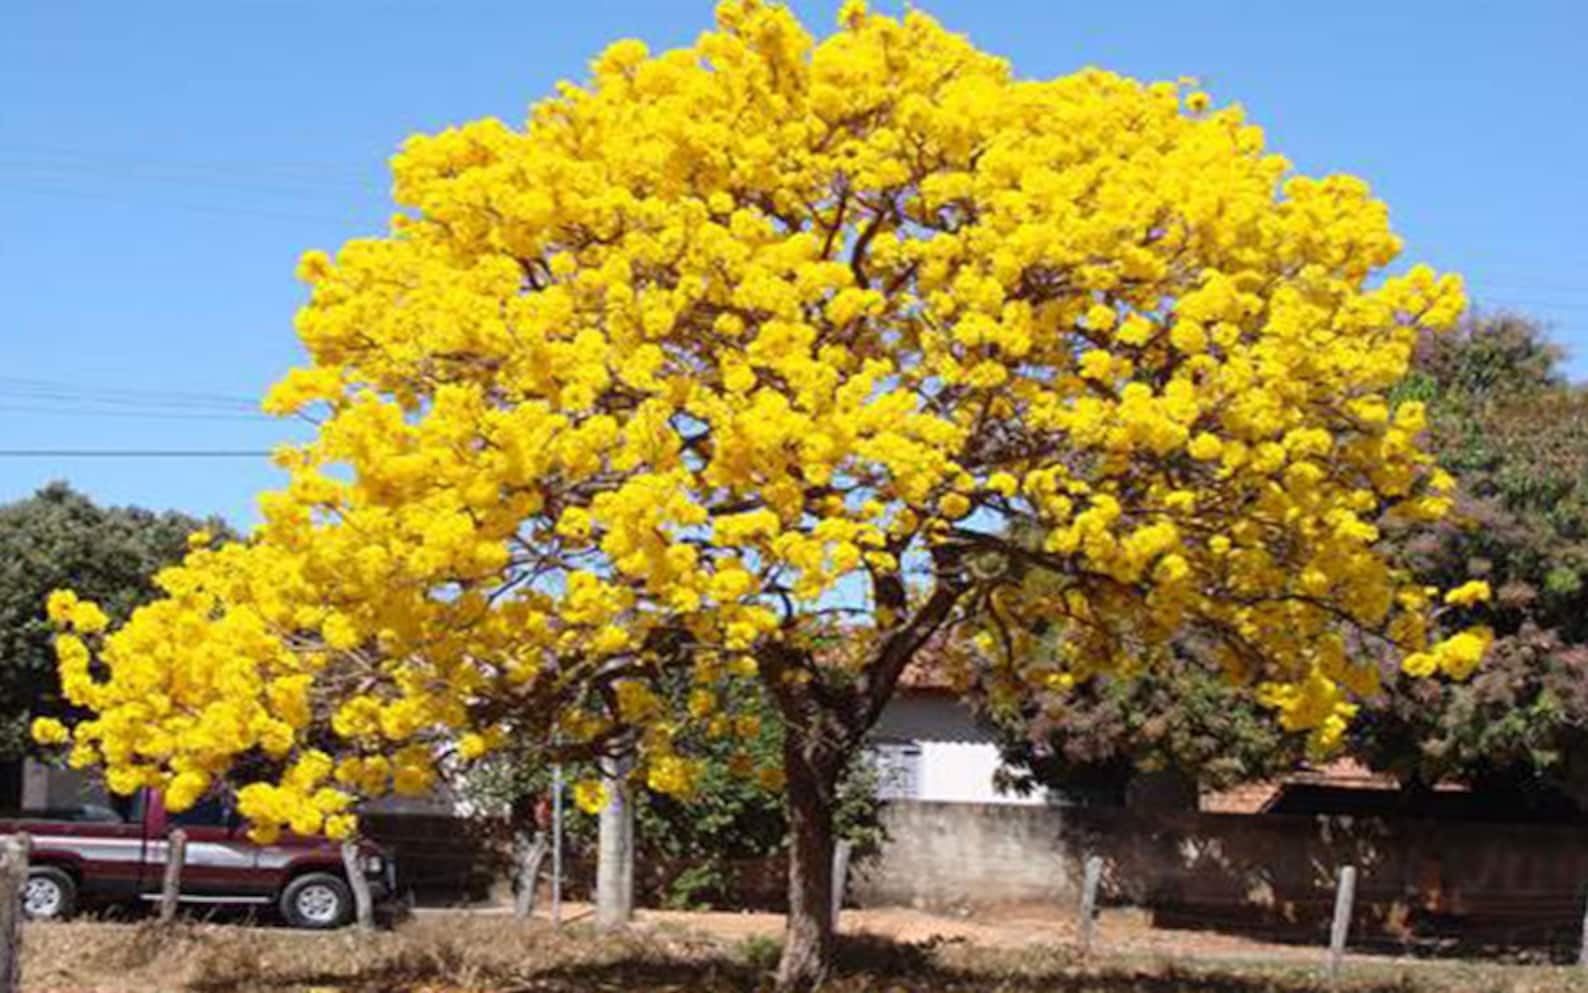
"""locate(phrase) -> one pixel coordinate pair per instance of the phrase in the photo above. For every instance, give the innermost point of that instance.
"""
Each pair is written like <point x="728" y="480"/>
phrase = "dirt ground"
<point x="1008" y="926"/>
<point x="1014" y="949"/>
<point x="1119" y="932"/>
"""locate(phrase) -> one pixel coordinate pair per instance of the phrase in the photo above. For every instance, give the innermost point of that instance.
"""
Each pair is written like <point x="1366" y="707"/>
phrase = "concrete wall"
<point x="1264" y="874"/>
<point x="948" y="854"/>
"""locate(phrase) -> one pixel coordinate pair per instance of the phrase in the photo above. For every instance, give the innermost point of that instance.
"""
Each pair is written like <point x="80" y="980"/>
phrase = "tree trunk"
<point x="615" y="849"/>
<point x="808" y="941"/>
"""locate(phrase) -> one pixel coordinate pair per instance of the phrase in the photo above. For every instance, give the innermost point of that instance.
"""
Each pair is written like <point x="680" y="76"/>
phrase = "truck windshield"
<point x="88" y="813"/>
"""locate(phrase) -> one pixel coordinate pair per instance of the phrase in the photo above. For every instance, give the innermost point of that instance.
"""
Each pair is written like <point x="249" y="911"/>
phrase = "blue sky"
<point x="163" y="164"/>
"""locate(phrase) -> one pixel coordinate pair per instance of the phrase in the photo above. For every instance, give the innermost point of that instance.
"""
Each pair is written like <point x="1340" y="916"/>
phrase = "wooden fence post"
<point x="1582" y="949"/>
<point x="532" y="851"/>
<point x="556" y="845"/>
<point x="841" y="853"/>
<point x="363" y="905"/>
<point x="13" y="882"/>
<point x="171" y="885"/>
<point x="1090" y="878"/>
<point x="1344" y="896"/>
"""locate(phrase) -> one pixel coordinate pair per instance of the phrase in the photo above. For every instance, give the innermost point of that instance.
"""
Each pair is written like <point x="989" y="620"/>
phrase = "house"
<point x="1339" y="776"/>
<point x="929" y="745"/>
<point x="1347" y="787"/>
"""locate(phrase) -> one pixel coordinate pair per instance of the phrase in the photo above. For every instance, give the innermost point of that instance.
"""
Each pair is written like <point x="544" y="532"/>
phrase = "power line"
<point x="98" y="153"/>
<point x="132" y="453"/>
<point x="87" y="398"/>
<point x="1510" y="286"/>
<point x="46" y="397"/>
<point x="144" y="414"/>
<point x="57" y="391"/>
<point x="1520" y="304"/>
<point x="74" y="384"/>
<point x="233" y="180"/>
<point x="244" y="211"/>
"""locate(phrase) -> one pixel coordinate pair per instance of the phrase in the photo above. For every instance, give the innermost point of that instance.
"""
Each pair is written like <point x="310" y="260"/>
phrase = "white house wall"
<point x="959" y="757"/>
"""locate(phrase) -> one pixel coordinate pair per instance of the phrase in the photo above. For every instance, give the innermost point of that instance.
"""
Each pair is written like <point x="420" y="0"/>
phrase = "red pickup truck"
<point x="96" y="854"/>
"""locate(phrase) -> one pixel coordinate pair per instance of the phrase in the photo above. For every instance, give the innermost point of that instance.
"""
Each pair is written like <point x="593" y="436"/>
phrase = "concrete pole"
<point x="841" y="855"/>
<point x="1344" y="897"/>
<point x="1091" y="876"/>
<point x="1582" y="950"/>
<point x="363" y="904"/>
<point x="615" y="848"/>
<point x="13" y="881"/>
<point x="556" y="844"/>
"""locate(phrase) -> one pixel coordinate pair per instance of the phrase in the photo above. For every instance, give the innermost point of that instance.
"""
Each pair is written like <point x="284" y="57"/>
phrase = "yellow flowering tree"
<point x="746" y="344"/>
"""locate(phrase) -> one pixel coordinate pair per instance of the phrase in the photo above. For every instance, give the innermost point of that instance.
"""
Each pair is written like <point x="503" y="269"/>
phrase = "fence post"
<point x="556" y="844"/>
<point x="1090" y="878"/>
<point x="1344" y="896"/>
<point x="841" y="853"/>
<point x="531" y="853"/>
<point x="1582" y="950"/>
<point x="171" y="885"/>
<point x="13" y="881"/>
<point x="363" y="904"/>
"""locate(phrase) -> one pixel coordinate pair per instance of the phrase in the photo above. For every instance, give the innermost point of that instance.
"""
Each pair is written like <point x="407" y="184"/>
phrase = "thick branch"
<point x="882" y="676"/>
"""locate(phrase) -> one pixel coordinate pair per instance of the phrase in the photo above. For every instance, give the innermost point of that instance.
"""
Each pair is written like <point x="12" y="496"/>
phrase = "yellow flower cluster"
<point x="739" y="335"/>
<point x="1469" y="594"/>
<point x="590" y="795"/>
<point x="1456" y="656"/>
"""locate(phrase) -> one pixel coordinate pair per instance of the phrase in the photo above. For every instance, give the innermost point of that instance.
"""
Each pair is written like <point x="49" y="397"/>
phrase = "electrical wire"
<point x="141" y="414"/>
<point x="132" y="453"/>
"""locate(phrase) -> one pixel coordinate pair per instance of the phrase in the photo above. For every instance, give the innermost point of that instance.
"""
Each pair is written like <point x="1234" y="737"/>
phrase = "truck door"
<point x="105" y="845"/>
<point x="221" y="862"/>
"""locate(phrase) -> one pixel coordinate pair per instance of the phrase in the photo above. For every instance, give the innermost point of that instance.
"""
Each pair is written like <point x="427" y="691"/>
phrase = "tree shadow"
<point x="864" y="964"/>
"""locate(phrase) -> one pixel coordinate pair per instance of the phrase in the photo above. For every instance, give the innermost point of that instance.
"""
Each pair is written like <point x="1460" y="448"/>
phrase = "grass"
<point x="464" y="954"/>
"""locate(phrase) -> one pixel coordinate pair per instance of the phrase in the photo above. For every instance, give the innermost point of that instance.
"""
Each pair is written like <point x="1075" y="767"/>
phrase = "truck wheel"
<point x="318" y="901"/>
<point x="50" y="894"/>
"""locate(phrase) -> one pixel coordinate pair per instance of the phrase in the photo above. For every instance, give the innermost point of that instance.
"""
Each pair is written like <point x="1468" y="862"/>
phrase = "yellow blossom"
<point x="590" y="795"/>
<point x="60" y="605"/>
<point x="49" y="731"/>
<point x="1468" y="594"/>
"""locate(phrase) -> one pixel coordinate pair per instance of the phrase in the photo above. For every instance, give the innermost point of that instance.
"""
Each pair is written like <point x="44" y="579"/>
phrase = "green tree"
<point x="736" y="815"/>
<point x="1515" y="432"/>
<point x="59" y="538"/>
<point x="1188" y="719"/>
<point x="1185" y="717"/>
